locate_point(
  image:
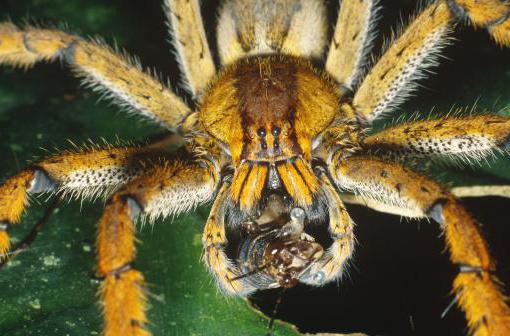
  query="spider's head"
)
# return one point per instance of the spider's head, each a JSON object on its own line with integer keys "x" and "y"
{"x": 269, "y": 112}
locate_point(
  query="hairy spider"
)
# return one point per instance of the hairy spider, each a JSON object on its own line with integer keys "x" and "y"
{"x": 271, "y": 139}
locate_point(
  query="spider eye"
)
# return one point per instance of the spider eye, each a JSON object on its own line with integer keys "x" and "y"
{"x": 261, "y": 132}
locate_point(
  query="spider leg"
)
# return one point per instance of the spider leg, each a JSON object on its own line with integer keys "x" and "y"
{"x": 491, "y": 14}
{"x": 166, "y": 190}
{"x": 214, "y": 241}
{"x": 118, "y": 76}
{"x": 466, "y": 138}
{"x": 188, "y": 35}
{"x": 295, "y": 27}
{"x": 459, "y": 192}
{"x": 351, "y": 41}
{"x": 88, "y": 174}
{"x": 331, "y": 265}
{"x": 391, "y": 80}
{"x": 478, "y": 292}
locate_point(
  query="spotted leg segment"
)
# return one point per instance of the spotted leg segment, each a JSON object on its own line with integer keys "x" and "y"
{"x": 466, "y": 138}
{"x": 331, "y": 265}
{"x": 188, "y": 34}
{"x": 478, "y": 292}
{"x": 351, "y": 41}
{"x": 393, "y": 77}
{"x": 494, "y": 15}
{"x": 116, "y": 75}
{"x": 214, "y": 240}
{"x": 86, "y": 174}
{"x": 165, "y": 190}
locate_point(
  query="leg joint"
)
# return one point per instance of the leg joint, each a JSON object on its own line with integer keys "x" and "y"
{"x": 5, "y": 226}
{"x": 500, "y": 20}
{"x": 478, "y": 270}
{"x": 435, "y": 211}
{"x": 458, "y": 11}
{"x": 135, "y": 207}
{"x": 41, "y": 182}
{"x": 116, "y": 272}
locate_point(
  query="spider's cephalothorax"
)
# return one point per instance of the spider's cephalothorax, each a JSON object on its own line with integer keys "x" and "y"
{"x": 273, "y": 141}
{"x": 269, "y": 113}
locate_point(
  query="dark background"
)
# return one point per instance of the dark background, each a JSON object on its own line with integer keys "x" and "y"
{"x": 399, "y": 279}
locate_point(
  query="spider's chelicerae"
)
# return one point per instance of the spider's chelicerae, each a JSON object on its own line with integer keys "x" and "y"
{"x": 271, "y": 139}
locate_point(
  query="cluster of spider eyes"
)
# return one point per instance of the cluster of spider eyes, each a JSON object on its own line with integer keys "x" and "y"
{"x": 261, "y": 132}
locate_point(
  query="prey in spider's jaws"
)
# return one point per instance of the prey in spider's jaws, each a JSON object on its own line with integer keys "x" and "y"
{"x": 275, "y": 250}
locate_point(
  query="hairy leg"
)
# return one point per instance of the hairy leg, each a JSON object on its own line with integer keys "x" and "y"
{"x": 331, "y": 265}
{"x": 295, "y": 27}
{"x": 118, "y": 76}
{"x": 165, "y": 190}
{"x": 478, "y": 292}
{"x": 491, "y": 14}
{"x": 392, "y": 78}
{"x": 459, "y": 192}
{"x": 188, "y": 34}
{"x": 351, "y": 41}
{"x": 465, "y": 138}
{"x": 89, "y": 173}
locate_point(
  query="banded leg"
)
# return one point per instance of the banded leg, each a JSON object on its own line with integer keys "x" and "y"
{"x": 392, "y": 78}
{"x": 188, "y": 34}
{"x": 117, "y": 76}
{"x": 491, "y": 14}
{"x": 331, "y": 265}
{"x": 465, "y": 138}
{"x": 166, "y": 190}
{"x": 352, "y": 40}
{"x": 87, "y": 174}
{"x": 459, "y": 192}
{"x": 295, "y": 27}
{"x": 478, "y": 292}
{"x": 214, "y": 241}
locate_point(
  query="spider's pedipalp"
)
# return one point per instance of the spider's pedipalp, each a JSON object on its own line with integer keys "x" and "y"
{"x": 214, "y": 241}
{"x": 293, "y": 27}
{"x": 479, "y": 294}
{"x": 351, "y": 42}
{"x": 188, "y": 37}
{"x": 164, "y": 190}
{"x": 332, "y": 264}
{"x": 392, "y": 78}
{"x": 466, "y": 138}
{"x": 101, "y": 67}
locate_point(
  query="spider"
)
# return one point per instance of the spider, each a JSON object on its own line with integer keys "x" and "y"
{"x": 270, "y": 138}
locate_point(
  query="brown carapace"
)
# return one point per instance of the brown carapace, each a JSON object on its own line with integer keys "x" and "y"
{"x": 277, "y": 139}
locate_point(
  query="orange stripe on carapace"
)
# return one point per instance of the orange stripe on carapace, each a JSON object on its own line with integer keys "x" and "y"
{"x": 298, "y": 180}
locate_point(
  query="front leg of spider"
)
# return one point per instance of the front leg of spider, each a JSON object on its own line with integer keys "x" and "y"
{"x": 87, "y": 173}
{"x": 479, "y": 294}
{"x": 168, "y": 189}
